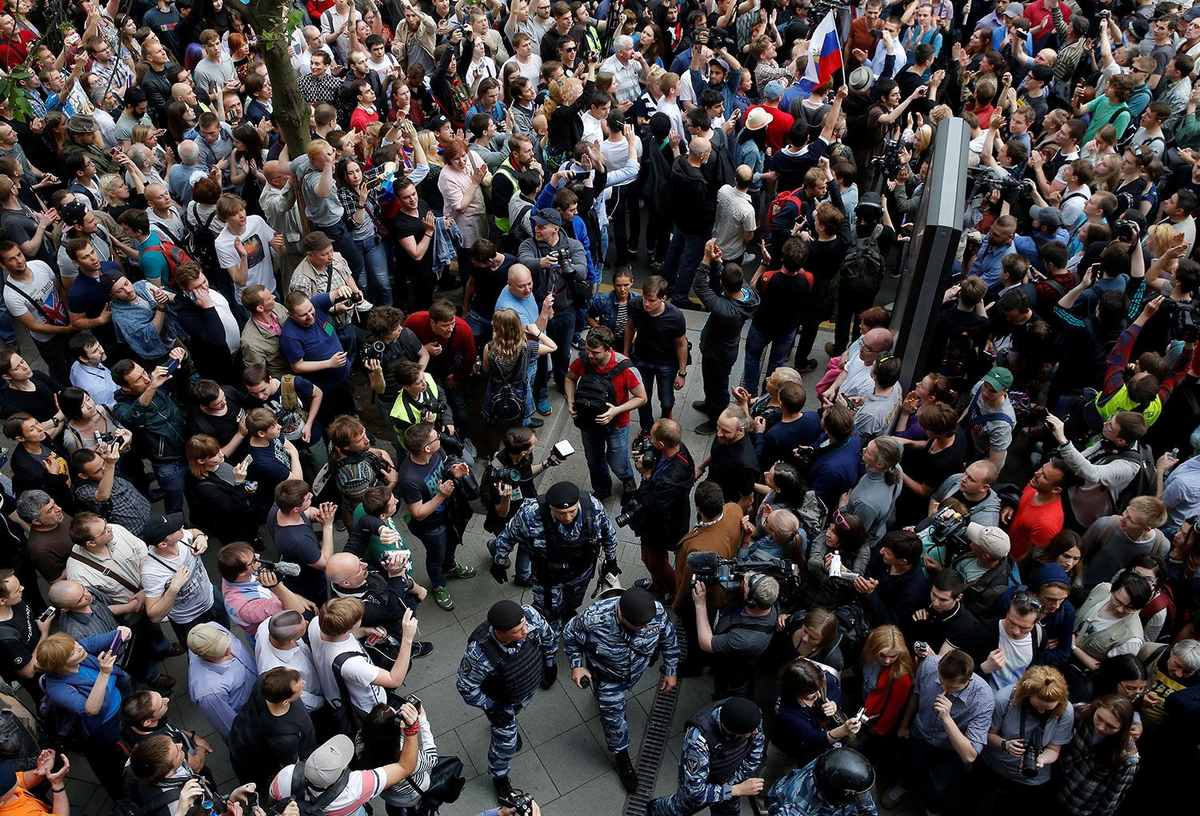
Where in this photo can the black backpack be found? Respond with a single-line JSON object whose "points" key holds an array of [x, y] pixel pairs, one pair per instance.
{"points": [[506, 403], [595, 392], [862, 269], [200, 242], [960, 357], [1144, 482]]}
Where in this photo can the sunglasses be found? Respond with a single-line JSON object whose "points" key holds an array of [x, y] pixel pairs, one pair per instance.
{"points": [[1029, 599], [840, 519]]}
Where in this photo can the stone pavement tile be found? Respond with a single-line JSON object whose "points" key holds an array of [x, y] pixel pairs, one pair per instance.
{"points": [[603, 796], [635, 720], [571, 759], [476, 737], [551, 713], [446, 708], [448, 644], [222, 770], [474, 763], [528, 775]]}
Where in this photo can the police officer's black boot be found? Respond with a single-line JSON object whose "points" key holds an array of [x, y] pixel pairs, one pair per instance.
{"points": [[629, 777], [504, 788]]}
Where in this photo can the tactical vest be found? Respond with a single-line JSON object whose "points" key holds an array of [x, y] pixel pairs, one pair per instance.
{"points": [[561, 559], [725, 753], [516, 675]]}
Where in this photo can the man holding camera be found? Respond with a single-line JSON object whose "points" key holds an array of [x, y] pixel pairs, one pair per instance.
{"points": [[563, 532], [738, 634], [311, 344], [661, 509], [383, 606], [508, 481], [419, 400], [507, 658], [618, 639]]}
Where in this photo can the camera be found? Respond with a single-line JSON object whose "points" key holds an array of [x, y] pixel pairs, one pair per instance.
{"points": [[109, 438], [889, 163], [1103, 14], [1183, 322], [520, 801], [284, 569], [646, 452], [1123, 229], [374, 349], [949, 529], [467, 482], [412, 700], [709, 568], [354, 298], [986, 181], [633, 509], [1033, 748]]}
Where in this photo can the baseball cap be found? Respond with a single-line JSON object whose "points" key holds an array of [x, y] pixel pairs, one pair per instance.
{"points": [[546, 216], [72, 213], [1046, 216], [774, 90], [158, 528], [326, 764], [718, 61], [1014, 11], [992, 540], [208, 641], [999, 378], [438, 122]]}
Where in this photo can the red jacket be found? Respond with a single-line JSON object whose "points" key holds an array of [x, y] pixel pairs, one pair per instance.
{"points": [[458, 355], [887, 700]]}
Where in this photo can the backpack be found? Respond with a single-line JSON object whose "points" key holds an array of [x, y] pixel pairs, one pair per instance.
{"points": [[595, 392], [1143, 483], [320, 805], [778, 203], [287, 395], [507, 404], [202, 244], [174, 255], [960, 357], [855, 627], [862, 270], [1165, 599]]}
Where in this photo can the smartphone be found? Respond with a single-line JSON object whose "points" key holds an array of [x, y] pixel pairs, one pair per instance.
{"points": [[117, 643], [171, 366], [47, 615], [251, 801]]}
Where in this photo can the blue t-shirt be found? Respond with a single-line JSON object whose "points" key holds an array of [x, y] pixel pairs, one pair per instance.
{"points": [[269, 465], [315, 343], [154, 264]]}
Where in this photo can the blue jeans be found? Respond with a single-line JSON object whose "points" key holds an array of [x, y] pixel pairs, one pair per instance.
{"points": [[664, 377], [756, 344], [481, 328], [441, 541], [604, 451], [170, 479], [344, 243], [683, 256], [374, 273]]}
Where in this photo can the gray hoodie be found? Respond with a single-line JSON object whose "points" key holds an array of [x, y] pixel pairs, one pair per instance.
{"points": [[722, 333]]}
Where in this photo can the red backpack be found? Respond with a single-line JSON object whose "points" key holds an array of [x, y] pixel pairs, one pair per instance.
{"points": [[174, 254], [777, 204]]}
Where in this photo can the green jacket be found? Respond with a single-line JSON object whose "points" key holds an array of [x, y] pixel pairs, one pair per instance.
{"points": [[158, 427]]}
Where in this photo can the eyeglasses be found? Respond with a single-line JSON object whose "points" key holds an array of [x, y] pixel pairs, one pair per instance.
{"points": [[570, 50]]}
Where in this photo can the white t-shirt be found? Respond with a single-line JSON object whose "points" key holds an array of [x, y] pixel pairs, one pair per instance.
{"points": [[257, 241], [195, 596], [233, 335], [1018, 654], [358, 672], [531, 70], [384, 67], [40, 289], [268, 657]]}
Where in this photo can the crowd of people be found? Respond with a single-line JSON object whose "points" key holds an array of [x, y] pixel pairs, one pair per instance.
{"points": [[975, 589]]}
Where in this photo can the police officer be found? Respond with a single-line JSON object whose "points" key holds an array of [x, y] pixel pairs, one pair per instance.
{"points": [[618, 639], [740, 633], [563, 532], [722, 747], [664, 498], [507, 658], [837, 783]]}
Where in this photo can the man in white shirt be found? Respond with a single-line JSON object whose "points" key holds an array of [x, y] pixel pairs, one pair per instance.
{"points": [[334, 633], [628, 67], [735, 220], [281, 644], [35, 297], [528, 63]]}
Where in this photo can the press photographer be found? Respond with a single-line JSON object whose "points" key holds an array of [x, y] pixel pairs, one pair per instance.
{"points": [[384, 602], [661, 508], [389, 345], [158, 776], [740, 632], [419, 400]]}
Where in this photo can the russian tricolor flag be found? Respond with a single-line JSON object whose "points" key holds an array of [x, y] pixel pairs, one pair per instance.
{"points": [[824, 55]]}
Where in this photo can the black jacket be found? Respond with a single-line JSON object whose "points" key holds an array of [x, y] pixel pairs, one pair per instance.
{"points": [[230, 511], [665, 497], [261, 744], [721, 336], [206, 339]]}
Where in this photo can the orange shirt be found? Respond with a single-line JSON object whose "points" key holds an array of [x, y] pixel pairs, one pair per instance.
{"points": [[1033, 526], [24, 803]]}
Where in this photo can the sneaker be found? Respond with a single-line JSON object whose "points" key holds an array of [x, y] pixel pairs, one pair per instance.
{"points": [[421, 648], [175, 651], [700, 405], [506, 563], [707, 428], [629, 777], [810, 365], [601, 495], [648, 585], [536, 422], [543, 406], [892, 796], [461, 571], [470, 448], [523, 581], [504, 788], [577, 342], [441, 597]]}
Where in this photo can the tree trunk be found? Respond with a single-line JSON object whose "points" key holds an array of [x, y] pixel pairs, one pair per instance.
{"points": [[292, 114]]}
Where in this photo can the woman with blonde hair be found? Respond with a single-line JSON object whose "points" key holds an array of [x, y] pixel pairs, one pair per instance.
{"points": [[82, 679], [817, 637], [117, 196], [1033, 720], [887, 678], [507, 361], [568, 101], [147, 137]]}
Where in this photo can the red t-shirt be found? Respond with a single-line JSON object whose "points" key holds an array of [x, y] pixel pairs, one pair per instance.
{"points": [[778, 128], [623, 383], [1033, 526], [458, 355]]}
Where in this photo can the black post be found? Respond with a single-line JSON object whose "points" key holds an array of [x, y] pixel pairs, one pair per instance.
{"points": [[931, 253]]}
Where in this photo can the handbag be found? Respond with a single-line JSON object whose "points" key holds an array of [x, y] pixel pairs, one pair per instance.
{"points": [[446, 783]]}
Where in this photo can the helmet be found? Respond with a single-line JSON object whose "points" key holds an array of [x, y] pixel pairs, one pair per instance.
{"points": [[843, 774]]}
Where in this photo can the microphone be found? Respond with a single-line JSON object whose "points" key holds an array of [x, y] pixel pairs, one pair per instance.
{"points": [[284, 569], [708, 562]]}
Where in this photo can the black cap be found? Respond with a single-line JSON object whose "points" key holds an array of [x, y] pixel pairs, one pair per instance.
{"points": [[158, 528], [505, 615], [108, 280], [740, 716], [660, 126], [563, 495], [638, 606], [73, 213]]}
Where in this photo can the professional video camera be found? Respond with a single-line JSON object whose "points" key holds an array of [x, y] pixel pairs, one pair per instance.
{"points": [[710, 568], [1184, 324], [819, 9], [949, 529], [888, 165], [986, 181]]}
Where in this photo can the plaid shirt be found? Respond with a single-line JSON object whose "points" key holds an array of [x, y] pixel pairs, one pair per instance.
{"points": [[126, 506], [1085, 785], [971, 709]]}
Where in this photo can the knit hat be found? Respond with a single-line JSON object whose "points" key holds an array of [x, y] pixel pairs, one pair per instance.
{"points": [[505, 615], [740, 716], [637, 606]]}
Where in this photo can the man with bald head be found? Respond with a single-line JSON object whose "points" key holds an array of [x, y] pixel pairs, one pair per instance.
{"points": [[855, 381], [973, 487], [518, 296], [383, 605], [693, 205], [164, 213], [279, 210], [184, 92], [735, 219]]}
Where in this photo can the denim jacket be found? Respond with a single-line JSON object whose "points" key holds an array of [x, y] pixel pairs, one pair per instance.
{"points": [[603, 307]]}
